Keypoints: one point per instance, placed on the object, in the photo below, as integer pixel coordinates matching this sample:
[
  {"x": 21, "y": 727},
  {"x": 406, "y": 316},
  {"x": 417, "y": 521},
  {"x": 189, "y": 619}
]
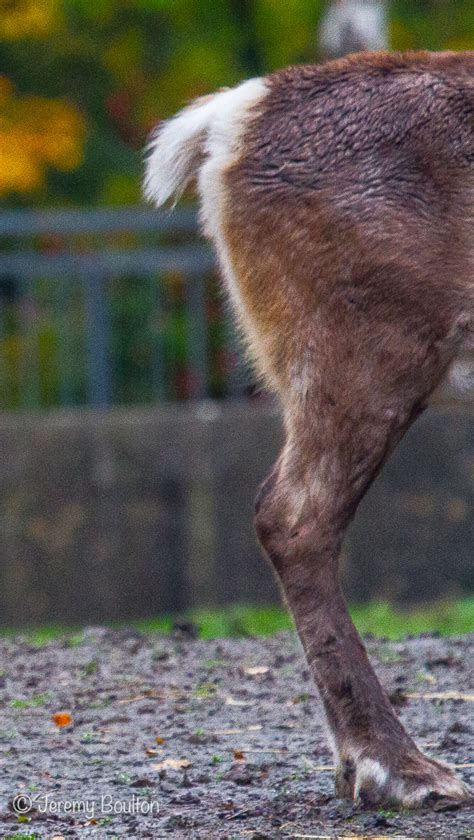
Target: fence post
[
  {"x": 29, "y": 380},
  {"x": 157, "y": 332},
  {"x": 197, "y": 336},
  {"x": 63, "y": 303},
  {"x": 97, "y": 326}
]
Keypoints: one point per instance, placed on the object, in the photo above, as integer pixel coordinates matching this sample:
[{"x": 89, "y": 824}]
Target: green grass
[
  {"x": 234, "y": 620},
  {"x": 32, "y": 702},
  {"x": 20, "y": 835},
  {"x": 450, "y": 618},
  {"x": 39, "y": 636}
]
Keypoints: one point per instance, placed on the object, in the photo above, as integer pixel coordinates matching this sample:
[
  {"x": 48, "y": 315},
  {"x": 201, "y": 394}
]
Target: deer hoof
[{"x": 421, "y": 783}]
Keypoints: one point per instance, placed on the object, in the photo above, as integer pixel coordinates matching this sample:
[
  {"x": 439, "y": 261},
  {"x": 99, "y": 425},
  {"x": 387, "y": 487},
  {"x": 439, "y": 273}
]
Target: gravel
[{"x": 173, "y": 737}]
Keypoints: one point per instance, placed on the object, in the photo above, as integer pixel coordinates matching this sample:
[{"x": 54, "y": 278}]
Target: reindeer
[{"x": 340, "y": 199}]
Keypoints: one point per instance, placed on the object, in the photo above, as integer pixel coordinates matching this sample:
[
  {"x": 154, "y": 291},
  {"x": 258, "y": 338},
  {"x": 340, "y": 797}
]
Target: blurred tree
[
  {"x": 28, "y": 18},
  {"x": 35, "y": 133},
  {"x": 82, "y": 83},
  {"x": 354, "y": 25},
  {"x": 248, "y": 49}
]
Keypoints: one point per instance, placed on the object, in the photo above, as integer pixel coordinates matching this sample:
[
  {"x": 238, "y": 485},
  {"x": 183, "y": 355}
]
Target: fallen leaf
[
  {"x": 172, "y": 764},
  {"x": 228, "y": 806},
  {"x": 320, "y": 768},
  {"x": 256, "y": 670},
  {"x": 231, "y": 701},
  {"x": 354, "y": 837},
  {"x": 238, "y": 815},
  {"x": 441, "y": 695},
  {"x": 154, "y": 695},
  {"x": 229, "y": 731},
  {"x": 151, "y": 752},
  {"x": 62, "y": 718},
  {"x": 278, "y": 750},
  {"x": 255, "y": 728}
]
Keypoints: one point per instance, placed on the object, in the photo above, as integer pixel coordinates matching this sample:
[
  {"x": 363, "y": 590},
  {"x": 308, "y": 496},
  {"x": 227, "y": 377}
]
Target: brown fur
[
  {"x": 359, "y": 170},
  {"x": 349, "y": 221}
]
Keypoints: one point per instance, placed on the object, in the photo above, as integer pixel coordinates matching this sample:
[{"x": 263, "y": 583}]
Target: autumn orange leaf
[{"x": 62, "y": 719}]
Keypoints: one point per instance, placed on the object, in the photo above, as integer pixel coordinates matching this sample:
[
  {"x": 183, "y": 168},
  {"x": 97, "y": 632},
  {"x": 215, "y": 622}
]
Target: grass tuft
[
  {"x": 381, "y": 619},
  {"x": 450, "y": 618}
]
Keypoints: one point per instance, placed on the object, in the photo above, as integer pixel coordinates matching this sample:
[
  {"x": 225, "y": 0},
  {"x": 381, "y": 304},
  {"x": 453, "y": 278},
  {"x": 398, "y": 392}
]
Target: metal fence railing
[{"x": 110, "y": 306}]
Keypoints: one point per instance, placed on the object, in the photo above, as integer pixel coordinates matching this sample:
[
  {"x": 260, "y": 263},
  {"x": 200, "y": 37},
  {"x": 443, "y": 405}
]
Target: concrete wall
[{"x": 128, "y": 513}]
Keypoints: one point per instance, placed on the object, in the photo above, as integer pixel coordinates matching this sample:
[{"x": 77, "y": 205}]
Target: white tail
[{"x": 180, "y": 144}]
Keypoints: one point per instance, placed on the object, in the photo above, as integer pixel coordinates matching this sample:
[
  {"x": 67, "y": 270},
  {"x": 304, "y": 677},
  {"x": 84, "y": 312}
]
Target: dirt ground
[{"x": 176, "y": 738}]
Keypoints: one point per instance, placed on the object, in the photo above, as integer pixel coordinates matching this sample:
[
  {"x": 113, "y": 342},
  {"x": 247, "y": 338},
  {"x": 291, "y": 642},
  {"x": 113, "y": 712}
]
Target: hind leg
[{"x": 339, "y": 433}]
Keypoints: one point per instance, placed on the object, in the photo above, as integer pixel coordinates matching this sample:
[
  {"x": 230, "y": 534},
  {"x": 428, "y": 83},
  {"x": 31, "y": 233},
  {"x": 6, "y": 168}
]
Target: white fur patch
[
  {"x": 205, "y": 140},
  {"x": 368, "y": 769},
  {"x": 222, "y": 149},
  {"x": 174, "y": 148},
  {"x": 175, "y": 153}
]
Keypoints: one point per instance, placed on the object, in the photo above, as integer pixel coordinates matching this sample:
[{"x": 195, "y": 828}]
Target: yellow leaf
[
  {"x": 172, "y": 764},
  {"x": 151, "y": 752},
  {"x": 231, "y": 701}
]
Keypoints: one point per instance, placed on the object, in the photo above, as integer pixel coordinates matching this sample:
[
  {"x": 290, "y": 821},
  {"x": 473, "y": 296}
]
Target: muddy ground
[{"x": 195, "y": 739}]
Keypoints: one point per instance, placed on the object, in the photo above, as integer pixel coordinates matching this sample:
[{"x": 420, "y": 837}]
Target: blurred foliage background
[{"x": 83, "y": 82}]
